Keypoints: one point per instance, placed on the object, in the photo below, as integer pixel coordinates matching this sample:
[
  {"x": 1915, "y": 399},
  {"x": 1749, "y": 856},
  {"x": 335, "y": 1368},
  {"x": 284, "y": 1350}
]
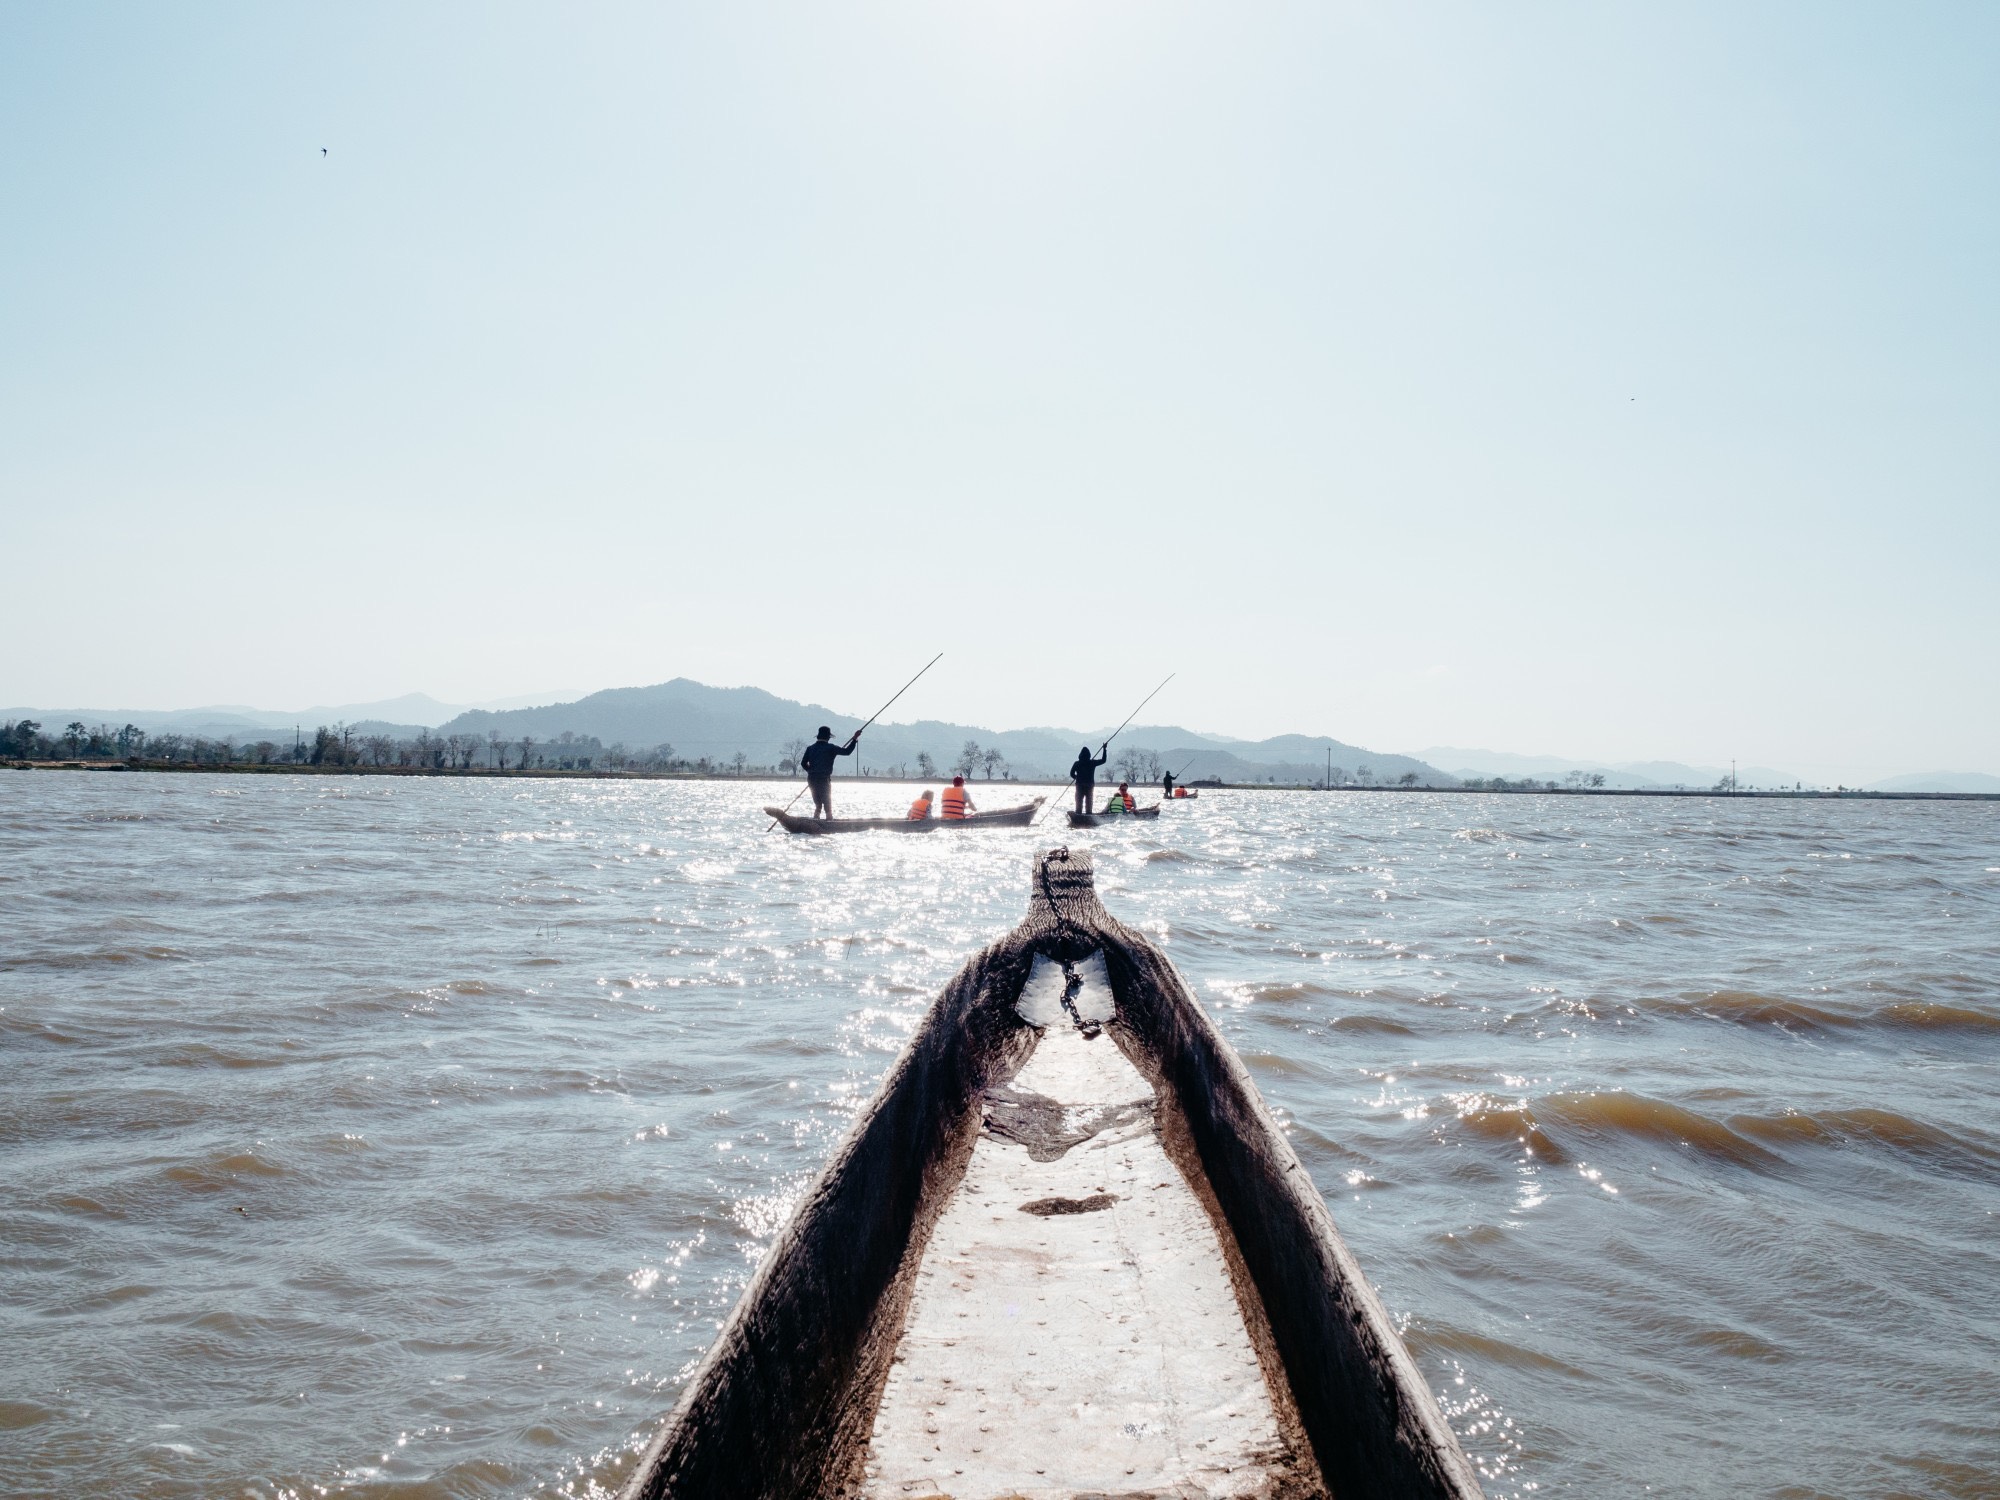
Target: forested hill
[{"x": 716, "y": 724}]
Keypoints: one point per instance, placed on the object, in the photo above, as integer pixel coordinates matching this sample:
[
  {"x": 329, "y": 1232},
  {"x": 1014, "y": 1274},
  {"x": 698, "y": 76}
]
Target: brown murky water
[{"x": 410, "y": 1138}]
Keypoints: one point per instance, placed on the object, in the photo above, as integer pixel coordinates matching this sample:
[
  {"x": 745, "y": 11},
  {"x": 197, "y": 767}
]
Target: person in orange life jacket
[
  {"x": 818, "y": 764},
  {"x": 1084, "y": 774},
  {"x": 1120, "y": 802},
  {"x": 956, "y": 802},
  {"x": 921, "y": 808}
]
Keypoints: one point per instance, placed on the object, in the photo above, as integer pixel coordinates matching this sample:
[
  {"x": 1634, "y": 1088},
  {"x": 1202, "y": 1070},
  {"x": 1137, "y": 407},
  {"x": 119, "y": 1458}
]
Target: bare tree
[
  {"x": 496, "y": 749},
  {"x": 993, "y": 760},
  {"x": 968, "y": 759},
  {"x": 1408, "y": 778},
  {"x": 739, "y": 760},
  {"x": 1135, "y": 764},
  {"x": 527, "y": 749},
  {"x": 926, "y": 767}
]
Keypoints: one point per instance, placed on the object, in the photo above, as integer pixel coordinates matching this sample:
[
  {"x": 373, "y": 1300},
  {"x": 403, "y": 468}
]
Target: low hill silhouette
[{"x": 699, "y": 720}]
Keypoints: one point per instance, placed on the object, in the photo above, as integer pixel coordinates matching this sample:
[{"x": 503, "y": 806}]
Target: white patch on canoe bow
[{"x": 1090, "y": 1343}]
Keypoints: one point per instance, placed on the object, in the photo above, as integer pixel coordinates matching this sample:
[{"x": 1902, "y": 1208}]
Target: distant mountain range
[
  {"x": 409, "y": 713},
  {"x": 699, "y": 720},
  {"x": 717, "y": 723}
]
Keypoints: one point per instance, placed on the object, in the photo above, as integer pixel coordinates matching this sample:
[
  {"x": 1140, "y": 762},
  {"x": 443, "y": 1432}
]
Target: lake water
[{"x": 410, "y": 1138}]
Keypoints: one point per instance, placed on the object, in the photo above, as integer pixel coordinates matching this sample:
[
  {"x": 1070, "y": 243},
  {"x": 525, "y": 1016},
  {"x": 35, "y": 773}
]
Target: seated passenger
[
  {"x": 956, "y": 802},
  {"x": 921, "y": 808},
  {"x": 1120, "y": 802}
]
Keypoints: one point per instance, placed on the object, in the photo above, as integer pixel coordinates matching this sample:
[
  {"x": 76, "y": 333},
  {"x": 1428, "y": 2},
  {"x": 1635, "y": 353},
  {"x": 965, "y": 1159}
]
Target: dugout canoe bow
[{"x": 1064, "y": 1251}]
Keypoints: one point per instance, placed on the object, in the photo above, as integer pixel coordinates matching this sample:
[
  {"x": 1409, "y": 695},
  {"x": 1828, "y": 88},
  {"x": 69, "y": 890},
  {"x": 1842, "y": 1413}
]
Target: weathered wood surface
[{"x": 782, "y": 1404}]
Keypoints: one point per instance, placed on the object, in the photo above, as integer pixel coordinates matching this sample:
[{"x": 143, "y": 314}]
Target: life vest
[
  {"x": 1118, "y": 803},
  {"x": 920, "y": 809},
  {"x": 954, "y": 802}
]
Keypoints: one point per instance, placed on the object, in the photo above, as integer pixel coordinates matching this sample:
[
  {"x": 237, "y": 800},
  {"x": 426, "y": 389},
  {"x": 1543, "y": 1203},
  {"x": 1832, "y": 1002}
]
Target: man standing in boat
[
  {"x": 818, "y": 764},
  {"x": 1084, "y": 774},
  {"x": 1167, "y": 785}
]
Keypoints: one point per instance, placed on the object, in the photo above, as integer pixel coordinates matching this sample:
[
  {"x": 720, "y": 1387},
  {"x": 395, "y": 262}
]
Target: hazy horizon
[
  {"x": 1609, "y": 384},
  {"x": 1488, "y": 760}
]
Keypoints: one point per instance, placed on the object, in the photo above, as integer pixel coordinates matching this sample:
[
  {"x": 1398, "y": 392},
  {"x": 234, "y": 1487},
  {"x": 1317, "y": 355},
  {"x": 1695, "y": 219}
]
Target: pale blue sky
[{"x": 1607, "y": 381}]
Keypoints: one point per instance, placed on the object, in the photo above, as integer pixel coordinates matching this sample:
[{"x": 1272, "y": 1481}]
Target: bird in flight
[{"x": 322, "y": 151}]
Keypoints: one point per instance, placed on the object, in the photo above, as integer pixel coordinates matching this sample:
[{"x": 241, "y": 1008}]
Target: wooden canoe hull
[
  {"x": 1006, "y": 817},
  {"x": 1099, "y": 820},
  {"x": 783, "y": 1402}
]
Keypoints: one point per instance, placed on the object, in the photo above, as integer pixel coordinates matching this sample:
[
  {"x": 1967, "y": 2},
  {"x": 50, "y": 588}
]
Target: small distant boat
[
  {"x": 1065, "y": 1250},
  {"x": 1006, "y": 817},
  {"x": 1092, "y": 820}
]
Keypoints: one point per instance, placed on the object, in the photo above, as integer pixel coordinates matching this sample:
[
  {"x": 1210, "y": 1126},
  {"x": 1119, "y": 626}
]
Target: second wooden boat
[
  {"x": 1006, "y": 817},
  {"x": 1065, "y": 1251},
  {"x": 1094, "y": 820}
]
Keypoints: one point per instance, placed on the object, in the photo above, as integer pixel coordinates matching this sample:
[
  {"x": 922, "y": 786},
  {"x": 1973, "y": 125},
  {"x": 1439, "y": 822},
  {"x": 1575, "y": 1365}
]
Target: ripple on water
[{"x": 1370, "y": 1025}]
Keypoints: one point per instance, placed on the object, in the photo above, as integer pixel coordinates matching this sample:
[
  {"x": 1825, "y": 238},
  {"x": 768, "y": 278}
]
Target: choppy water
[{"x": 410, "y": 1138}]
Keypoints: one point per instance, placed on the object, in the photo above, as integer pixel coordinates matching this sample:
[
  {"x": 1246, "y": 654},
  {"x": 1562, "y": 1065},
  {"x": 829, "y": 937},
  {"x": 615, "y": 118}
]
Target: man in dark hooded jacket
[
  {"x": 1084, "y": 774},
  {"x": 818, "y": 764}
]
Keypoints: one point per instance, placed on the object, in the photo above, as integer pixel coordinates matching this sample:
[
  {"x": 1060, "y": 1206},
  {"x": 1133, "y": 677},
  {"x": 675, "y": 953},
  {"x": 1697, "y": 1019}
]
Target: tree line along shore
[
  {"x": 341, "y": 751},
  {"x": 342, "y": 747},
  {"x": 1523, "y": 787}
]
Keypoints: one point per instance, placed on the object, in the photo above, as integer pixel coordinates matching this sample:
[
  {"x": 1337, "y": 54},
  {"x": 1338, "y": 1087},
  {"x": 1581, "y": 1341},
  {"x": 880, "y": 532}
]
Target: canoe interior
[
  {"x": 1006, "y": 817},
  {"x": 785, "y": 1401}
]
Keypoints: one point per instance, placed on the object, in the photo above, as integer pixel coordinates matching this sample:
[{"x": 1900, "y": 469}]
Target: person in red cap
[{"x": 956, "y": 803}]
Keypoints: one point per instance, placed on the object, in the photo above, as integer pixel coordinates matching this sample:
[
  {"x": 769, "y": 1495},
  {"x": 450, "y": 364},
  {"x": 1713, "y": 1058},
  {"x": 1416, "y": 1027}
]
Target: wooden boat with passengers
[
  {"x": 1006, "y": 817},
  {"x": 1065, "y": 1251},
  {"x": 1098, "y": 820}
]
